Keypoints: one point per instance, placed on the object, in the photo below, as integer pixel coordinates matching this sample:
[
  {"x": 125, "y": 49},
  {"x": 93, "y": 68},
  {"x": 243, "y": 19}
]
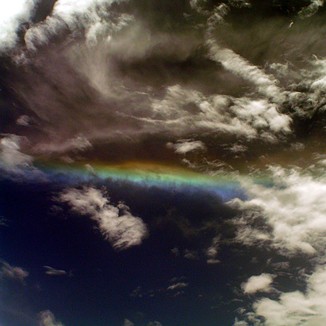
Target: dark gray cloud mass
[{"x": 124, "y": 69}]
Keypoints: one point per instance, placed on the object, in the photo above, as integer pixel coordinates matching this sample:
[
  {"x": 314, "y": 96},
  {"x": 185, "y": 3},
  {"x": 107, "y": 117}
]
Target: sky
[{"x": 162, "y": 163}]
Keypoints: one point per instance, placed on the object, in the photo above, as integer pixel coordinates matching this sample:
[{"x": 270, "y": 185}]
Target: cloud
[
  {"x": 46, "y": 318},
  {"x": 212, "y": 251},
  {"x": 12, "y": 272},
  {"x": 76, "y": 144},
  {"x": 287, "y": 215},
  {"x": 66, "y": 14},
  {"x": 23, "y": 120},
  {"x": 116, "y": 223},
  {"x": 190, "y": 254},
  {"x": 266, "y": 84},
  {"x": 154, "y": 323},
  {"x": 293, "y": 212},
  {"x": 185, "y": 146},
  {"x": 244, "y": 117},
  {"x": 297, "y": 308},
  {"x": 103, "y": 84},
  {"x": 177, "y": 286},
  {"x": 10, "y": 155},
  {"x": 237, "y": 148},
  {"x": 54, "y": 272},
  {"x": 127, "y": 322},
  {"x": 14, "y": 163},
  {"x": 259, "y": 283},
  {"x": 311, "y": 9},
  {"x": 12, "y": 15}
]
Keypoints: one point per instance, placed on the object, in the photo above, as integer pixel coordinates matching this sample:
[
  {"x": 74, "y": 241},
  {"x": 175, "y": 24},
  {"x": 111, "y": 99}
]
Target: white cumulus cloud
[
  {"x": 293, "y": 208},
  {"x": 297, "y": 308},
  {"x": 258, "y": 283},
  {"x": 12, "y": 14},
  {"x": 69, "y": 14}
]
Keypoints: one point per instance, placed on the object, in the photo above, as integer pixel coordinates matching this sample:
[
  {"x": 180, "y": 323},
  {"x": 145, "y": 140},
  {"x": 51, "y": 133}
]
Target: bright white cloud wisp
[{"x": 116, "y": 223}]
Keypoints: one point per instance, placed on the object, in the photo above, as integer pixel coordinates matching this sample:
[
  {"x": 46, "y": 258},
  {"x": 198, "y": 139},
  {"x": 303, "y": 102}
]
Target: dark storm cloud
[{"x": 117, "y": 73}]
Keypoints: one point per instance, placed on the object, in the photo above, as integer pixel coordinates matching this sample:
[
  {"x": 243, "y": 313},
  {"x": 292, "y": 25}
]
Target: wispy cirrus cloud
[
  {"x": 54, "y": 272},
  {"x": 177, "y": 286}
]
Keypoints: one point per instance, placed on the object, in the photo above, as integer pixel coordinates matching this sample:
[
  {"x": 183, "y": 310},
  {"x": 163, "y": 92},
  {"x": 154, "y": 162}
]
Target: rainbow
[{"x": 147, "y": 175}]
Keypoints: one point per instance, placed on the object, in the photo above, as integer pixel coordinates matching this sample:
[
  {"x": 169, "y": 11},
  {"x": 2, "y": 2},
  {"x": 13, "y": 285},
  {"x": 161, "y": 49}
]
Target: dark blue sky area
[{"x": 103, "y": 286}]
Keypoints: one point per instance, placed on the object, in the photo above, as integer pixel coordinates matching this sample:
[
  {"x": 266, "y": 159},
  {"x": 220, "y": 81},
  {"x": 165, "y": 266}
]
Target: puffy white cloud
[
  {"x": 13, "y": 272},
  {"x": 259, "y": 283},
  {"x": 116, "y": 223},
  {"x": 12, "y": 14},
  {"x": 185, "y": 146},
  {"x": 289, "y": 216},
  {"x": 46, "y": 318},
  {"x": 71, "y": 14},
  {"x": 297, "y": 308},
  {"x": 293, "y": 211}
]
